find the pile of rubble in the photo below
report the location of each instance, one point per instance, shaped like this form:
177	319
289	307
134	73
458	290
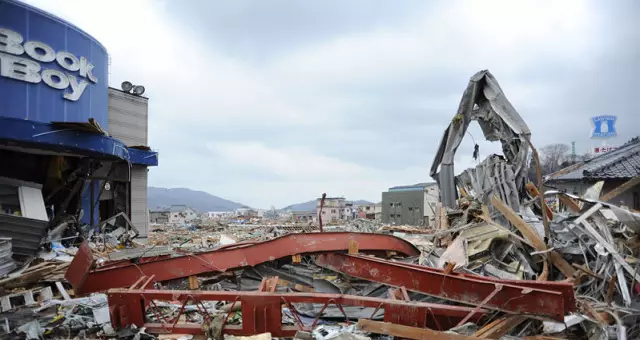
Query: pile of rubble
500	263
486	271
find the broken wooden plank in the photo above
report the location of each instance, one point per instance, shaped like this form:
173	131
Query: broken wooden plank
295	286
62	291
408	332
444	221
533	237
622	188
193	282
485	213
587	271
438	216
569	202
588	213
31	277
500	327
533	191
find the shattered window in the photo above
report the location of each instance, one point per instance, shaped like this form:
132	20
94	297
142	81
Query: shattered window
9	200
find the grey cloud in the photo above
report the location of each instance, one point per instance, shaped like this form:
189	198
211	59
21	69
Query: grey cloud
396	121
256	30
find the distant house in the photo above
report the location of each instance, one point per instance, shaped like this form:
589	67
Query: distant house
175	214
159	216
370	211
614	168
217	214
305	216
334	208
179	214
245	212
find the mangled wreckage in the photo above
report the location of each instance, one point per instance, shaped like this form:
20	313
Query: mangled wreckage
499	263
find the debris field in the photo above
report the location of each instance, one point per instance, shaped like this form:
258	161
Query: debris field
500	263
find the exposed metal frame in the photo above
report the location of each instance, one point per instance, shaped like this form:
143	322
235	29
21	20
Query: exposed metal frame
549	299
85	279
262	310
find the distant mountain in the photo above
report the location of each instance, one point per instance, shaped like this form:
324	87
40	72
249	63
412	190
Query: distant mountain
199	200
361	202
311	205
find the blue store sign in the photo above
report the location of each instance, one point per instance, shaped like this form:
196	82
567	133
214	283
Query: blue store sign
49	69
604	127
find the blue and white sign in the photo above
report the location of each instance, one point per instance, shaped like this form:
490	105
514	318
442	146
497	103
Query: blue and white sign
604	127
50	70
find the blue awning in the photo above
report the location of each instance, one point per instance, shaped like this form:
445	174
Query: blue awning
46	136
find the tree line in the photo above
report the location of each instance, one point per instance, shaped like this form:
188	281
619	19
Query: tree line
554	157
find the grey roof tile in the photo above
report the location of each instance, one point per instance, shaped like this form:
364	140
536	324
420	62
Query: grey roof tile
623	162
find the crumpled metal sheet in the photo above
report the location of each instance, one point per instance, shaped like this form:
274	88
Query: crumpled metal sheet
484	101
626	217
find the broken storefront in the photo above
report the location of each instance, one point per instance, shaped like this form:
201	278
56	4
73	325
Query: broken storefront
64	170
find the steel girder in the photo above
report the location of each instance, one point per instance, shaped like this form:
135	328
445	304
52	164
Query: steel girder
550	299
262	311
86	279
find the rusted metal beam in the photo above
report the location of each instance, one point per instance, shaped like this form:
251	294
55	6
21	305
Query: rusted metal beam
564	288
516	297
262	311
125	273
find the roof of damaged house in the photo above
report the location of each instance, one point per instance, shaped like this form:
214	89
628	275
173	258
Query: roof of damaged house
621	163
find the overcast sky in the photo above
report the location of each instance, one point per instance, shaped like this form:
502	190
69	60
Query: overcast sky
274	102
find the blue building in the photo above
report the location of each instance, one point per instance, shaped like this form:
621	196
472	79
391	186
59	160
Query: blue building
64	131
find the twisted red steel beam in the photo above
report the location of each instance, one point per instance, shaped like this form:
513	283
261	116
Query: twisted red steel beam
516	297
564	288
86	279
262	311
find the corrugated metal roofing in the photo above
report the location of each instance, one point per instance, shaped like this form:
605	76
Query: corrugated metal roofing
25	233
622	163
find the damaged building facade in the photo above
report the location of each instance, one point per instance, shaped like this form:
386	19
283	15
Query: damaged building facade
410	204
73	152
614	169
